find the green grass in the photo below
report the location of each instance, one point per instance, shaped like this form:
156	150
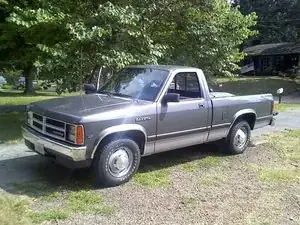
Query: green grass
14	97
255	85
156	178
37	190
75	199
287	143
14	211
190	167
286	107
87	201
50	215
208	162
10	127
279	174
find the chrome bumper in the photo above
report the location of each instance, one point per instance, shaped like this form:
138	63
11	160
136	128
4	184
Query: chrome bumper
41	144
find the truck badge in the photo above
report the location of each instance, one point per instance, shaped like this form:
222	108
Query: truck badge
140	119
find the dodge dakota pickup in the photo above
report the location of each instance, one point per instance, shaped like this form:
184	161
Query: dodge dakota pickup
141	110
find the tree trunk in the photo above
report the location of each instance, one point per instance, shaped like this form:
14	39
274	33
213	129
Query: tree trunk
29	89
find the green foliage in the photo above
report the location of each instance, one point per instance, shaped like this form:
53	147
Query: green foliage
278	20
69	41
12	76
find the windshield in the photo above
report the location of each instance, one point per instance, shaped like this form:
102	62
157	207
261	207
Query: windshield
137	83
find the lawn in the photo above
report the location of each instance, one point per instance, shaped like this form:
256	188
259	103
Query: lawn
255	85
14	97
286	107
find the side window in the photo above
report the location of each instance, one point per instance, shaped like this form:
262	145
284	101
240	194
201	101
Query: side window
187	85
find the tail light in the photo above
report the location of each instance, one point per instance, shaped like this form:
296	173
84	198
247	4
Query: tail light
273	107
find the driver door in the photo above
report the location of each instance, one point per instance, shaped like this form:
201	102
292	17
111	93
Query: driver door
184	123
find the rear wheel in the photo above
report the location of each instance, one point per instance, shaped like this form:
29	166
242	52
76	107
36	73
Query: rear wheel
238	138
117	162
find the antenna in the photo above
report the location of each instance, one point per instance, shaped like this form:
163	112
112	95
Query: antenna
81	70
81	77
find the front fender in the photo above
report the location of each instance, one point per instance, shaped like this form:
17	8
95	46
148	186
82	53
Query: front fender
117	129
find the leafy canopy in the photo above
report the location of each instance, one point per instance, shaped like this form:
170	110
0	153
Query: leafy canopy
69	40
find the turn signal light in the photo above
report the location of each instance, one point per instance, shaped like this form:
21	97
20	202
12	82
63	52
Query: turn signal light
79	134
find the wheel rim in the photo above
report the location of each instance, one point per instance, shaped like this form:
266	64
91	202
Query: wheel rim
120	162
240	138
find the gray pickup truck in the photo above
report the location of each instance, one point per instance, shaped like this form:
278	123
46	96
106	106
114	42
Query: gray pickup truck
142	110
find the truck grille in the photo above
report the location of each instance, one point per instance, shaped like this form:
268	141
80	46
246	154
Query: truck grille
48	126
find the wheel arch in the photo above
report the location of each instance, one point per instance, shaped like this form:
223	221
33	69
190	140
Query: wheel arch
248	115
133	131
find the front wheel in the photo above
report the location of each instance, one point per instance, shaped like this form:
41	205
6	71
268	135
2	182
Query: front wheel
117	162
238	138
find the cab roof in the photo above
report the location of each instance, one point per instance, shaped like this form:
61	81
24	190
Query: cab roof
161	67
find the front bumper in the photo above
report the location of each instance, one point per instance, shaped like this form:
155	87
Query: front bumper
62	153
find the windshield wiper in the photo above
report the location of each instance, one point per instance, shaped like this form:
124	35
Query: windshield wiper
105	92
122	95
125	96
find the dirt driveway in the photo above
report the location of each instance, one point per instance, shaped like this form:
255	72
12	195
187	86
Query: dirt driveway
189	186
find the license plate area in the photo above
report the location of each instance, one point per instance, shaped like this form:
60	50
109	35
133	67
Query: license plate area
39	147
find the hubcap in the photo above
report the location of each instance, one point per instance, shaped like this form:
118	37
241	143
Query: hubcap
120	162
240	138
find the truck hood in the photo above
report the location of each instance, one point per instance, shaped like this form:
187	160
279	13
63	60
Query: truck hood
71	109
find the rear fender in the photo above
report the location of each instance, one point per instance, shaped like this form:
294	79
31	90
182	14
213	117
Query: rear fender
239	114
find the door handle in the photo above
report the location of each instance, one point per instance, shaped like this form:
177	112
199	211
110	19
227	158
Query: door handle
201	105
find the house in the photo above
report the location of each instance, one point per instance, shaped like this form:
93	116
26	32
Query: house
270	59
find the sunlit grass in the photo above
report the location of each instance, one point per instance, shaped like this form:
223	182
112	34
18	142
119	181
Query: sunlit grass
153	178
14	211
13	97
286	107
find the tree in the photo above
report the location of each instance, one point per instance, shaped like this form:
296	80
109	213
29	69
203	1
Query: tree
70	40
278	20
17	51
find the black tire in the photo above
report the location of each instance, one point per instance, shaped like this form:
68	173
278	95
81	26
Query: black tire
231	142
103	172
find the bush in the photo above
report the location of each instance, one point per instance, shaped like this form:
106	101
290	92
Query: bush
6	86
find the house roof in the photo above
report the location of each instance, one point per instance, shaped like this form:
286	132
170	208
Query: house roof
285	48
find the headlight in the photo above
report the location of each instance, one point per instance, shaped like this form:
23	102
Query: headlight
71	133
75	134
29	117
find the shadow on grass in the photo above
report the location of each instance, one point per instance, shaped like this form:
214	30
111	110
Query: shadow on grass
256	85
47	179
10	127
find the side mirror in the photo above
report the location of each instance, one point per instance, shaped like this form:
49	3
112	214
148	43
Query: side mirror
89	88
211	90
171	97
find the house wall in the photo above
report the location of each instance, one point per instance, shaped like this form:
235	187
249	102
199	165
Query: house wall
270	65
